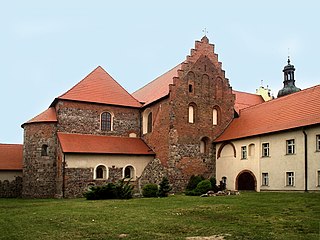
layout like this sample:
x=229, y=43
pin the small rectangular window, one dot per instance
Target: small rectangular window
x=265, y=149
x=244, y=152
x=265, y=179
x=318, y=143
x=290, y=179
x=290, y=146
x=190, y=88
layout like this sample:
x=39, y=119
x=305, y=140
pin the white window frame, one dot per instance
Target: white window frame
x=134, y=172
x=265, y=179
x=290, y=179
x=106, y=173
x=318, y=143
x=290, y=146
x=265, y=149
x=244, y=152
x=111, y=121
x=214, y=117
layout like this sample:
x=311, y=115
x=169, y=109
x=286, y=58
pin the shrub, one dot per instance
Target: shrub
x=214, y=186
x=203, y=187
x=120, y=190
x=164, y=187
x=193, y=182
x=150, y=190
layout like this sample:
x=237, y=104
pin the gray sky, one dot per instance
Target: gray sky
x=48, y=46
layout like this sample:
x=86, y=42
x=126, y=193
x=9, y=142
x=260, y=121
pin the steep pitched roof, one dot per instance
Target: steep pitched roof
x=158, y=88
x=100, y=87
x=11, y=156
x=295, y=110
x=244, y=100
x=48, y=115
x=80, y=143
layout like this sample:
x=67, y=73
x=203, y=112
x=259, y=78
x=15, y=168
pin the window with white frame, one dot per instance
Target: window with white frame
x=265, y=179
x=318, y=143
x=290, y=146
x=265, y=150
x=100, y=172
x=106, y=121
x=244, y=152
x=129, y=172
x=290, y=178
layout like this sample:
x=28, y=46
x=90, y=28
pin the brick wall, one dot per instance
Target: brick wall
x=174, y=139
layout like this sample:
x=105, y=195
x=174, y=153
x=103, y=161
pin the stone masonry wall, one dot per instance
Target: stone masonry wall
x=84, y=118
x=39, y=172
x=79, y=180
x=11, y=189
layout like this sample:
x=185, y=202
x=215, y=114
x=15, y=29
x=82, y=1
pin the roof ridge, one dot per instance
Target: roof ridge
x=20, y=144
x=95, y=135
x=280, y=98
x=157, y=78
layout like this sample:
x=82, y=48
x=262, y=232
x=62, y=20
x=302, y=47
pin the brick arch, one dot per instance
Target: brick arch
x=225, y=144
x=248, y=173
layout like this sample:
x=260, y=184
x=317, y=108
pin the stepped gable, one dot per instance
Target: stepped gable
x=244, y=100
x=48, y=115
x=288, y=112
x=100, y=87
x=82, y=143
x=159, y=87
x=11, y=156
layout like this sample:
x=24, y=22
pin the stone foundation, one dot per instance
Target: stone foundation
x=11, y=189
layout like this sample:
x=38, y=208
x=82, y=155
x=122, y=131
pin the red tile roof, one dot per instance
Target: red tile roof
x=244, y=100
x=80, y=143
x=158, y=88
x=100, y=87
x=48, y=115
x=292, y=111
x=11, y=156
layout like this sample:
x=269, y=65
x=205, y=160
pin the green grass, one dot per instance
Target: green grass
x=248, y=216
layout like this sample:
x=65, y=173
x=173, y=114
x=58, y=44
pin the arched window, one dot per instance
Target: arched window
x=106, y=121
x=129, y=172
x=100, y=172
x=204, y=143
x=191, y=113
x=147, y=121
x=215, y=117
x=149, y=128
x=44, y=150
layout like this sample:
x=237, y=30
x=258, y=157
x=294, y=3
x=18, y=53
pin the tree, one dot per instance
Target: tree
x=164, y=187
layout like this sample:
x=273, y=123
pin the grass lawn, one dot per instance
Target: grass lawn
x=248, y=216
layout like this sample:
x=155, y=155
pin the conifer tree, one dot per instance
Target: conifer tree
x=164, y=187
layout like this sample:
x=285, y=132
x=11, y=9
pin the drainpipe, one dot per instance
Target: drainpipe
x=305, y=160
x=63, y=175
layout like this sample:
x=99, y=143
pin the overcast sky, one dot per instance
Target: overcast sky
x=46, y=48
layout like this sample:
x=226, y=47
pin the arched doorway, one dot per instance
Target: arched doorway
x=246, y=181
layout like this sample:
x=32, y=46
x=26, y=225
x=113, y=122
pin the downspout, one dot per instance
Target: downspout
x=305, y=160
x=63, y=175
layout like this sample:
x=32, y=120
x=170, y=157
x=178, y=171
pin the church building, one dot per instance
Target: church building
x=189, y=121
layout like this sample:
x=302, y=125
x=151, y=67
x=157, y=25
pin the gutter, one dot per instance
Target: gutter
x=305, y=160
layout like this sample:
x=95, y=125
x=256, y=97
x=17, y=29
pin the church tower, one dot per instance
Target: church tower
x=289, y=81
